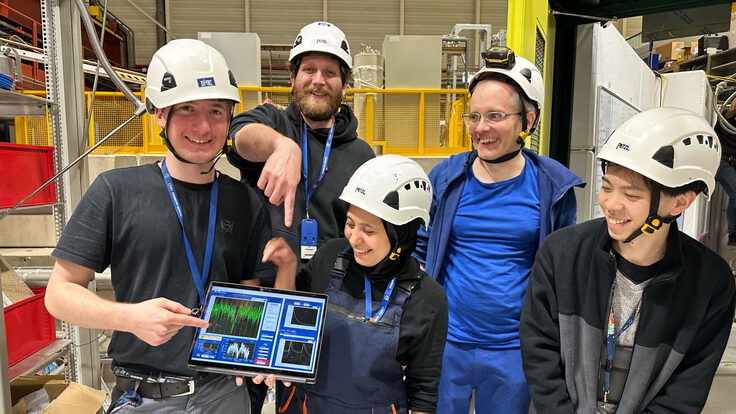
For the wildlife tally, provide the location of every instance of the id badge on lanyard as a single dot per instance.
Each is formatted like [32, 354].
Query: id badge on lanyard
[308, 229]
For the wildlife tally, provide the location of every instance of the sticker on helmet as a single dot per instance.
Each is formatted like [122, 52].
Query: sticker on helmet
[205, 82]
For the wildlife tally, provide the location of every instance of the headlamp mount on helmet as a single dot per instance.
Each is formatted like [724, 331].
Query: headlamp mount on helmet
[499, 57]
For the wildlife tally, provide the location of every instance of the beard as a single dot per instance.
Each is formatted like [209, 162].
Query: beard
[317, 111]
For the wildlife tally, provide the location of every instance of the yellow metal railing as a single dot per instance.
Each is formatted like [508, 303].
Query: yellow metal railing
[400, 121]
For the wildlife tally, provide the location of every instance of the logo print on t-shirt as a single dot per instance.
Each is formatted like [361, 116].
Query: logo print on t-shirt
[226, 226]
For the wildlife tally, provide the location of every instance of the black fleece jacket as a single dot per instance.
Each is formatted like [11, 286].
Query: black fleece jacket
[686, 316]
[423, 328]
[347, 154]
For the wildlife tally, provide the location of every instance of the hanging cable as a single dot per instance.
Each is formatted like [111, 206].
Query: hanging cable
[141, 107]
[722, 121]
[87, 121]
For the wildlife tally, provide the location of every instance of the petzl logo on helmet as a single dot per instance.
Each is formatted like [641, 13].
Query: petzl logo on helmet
[622, 146]
[359, 190]
[205, 82]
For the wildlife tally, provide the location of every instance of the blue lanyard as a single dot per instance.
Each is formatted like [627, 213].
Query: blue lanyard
[305, 163]
[384, 302]
[198, 280]
[611, 338]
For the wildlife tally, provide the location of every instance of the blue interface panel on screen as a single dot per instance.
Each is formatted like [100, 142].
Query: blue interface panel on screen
[256, 330]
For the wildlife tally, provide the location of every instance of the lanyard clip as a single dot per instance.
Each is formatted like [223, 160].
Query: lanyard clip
[197, 311]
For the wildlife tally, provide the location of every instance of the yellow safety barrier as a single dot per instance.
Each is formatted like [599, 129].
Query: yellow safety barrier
[394, 121]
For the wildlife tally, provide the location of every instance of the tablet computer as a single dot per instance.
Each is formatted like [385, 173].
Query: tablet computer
[256, 330]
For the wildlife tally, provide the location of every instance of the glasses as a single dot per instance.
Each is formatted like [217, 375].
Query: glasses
[490, 117]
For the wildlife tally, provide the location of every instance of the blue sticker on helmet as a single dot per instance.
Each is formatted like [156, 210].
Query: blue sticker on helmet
[204, 82]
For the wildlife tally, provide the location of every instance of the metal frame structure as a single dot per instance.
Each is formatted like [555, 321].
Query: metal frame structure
[64, 86]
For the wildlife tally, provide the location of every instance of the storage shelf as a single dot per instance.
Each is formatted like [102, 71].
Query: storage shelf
[39, 359]
[18, 104]
[729, 68]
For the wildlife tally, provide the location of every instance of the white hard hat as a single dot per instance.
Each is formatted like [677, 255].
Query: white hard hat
[187, 70]
[502, 61]
[670, 146]
[322, 37]
[391, 187]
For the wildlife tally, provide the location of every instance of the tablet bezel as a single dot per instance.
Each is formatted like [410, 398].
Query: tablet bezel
[235, 369]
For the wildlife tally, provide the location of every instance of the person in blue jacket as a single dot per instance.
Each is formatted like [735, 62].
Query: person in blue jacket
[491, 209]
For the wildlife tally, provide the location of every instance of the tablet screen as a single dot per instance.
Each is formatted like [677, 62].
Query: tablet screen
[256, 330]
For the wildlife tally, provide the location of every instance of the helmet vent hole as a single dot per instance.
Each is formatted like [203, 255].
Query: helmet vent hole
[344, 46]
[527, 74]
[168, 82]
[687, 141]
[416, 183]
[407, 187]
[232, 78]
[700, 139]
[710, 141]
[666, 155]
[392, 200]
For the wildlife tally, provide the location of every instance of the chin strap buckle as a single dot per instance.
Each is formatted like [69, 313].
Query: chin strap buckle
[652, 224]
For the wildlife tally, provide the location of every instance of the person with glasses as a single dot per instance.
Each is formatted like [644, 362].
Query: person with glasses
[626, 314]
[492, 208]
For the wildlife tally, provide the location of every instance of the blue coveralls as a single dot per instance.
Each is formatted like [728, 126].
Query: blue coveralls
[358, 371]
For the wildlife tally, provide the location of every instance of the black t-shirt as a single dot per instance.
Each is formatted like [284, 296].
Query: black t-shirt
[348, 152]
[423, 328]
[127, 221]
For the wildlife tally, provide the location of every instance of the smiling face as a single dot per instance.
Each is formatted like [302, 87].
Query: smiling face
[367, 236]
[317, 87]
[196, 129]
[624, 197]
[499, 138]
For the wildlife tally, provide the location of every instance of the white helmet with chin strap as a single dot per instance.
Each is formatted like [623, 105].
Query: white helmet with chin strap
[322, 37]
[186, 70]
[391, 187]
[672, 147]
[501, 63]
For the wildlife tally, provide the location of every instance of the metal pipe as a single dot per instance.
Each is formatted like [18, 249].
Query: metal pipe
[103, 59]
[584, 16]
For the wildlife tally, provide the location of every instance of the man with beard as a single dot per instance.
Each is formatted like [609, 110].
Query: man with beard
[492, 208]
[302, 157]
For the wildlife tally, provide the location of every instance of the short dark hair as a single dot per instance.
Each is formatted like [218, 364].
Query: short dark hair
[695, 186]
[345, 73]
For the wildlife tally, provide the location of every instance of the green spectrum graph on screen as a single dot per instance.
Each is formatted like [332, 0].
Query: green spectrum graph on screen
[236, 317]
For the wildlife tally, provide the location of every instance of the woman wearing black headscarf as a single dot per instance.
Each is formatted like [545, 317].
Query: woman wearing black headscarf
[387, 320]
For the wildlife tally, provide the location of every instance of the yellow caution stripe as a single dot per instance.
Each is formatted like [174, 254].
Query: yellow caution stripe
[135, 78]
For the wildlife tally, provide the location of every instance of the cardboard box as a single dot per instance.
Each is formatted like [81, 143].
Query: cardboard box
[22, 386]
[674, 50]
[77, 399]
[65, 398]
